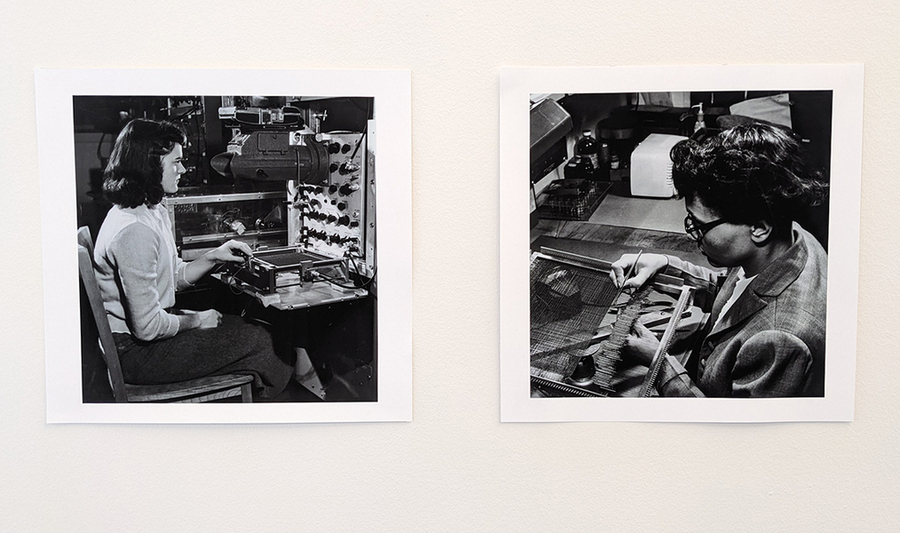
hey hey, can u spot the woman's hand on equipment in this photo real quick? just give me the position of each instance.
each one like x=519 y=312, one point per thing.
x=234 y=251
x=209 y=319
x=641 y=344
x=646 y=267
x=230 y=252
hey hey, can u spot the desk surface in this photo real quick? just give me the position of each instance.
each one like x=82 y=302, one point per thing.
x=619 y=208
x=608 y=243
x=297 y=296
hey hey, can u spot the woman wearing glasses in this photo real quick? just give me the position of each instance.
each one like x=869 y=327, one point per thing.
x=766 y=334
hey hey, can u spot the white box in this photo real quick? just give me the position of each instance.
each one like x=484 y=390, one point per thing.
x=651 y=166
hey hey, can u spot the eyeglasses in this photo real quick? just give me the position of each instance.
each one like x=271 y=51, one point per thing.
x=697 y=231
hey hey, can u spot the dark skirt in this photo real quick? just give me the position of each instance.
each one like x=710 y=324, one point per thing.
x=234 y=347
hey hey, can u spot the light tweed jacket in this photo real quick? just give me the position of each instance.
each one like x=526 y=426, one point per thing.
x=771 y=342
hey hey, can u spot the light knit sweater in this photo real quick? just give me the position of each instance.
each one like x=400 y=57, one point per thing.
x=138 y=270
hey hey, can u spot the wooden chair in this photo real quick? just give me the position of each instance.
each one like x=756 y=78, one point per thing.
x=195 y=390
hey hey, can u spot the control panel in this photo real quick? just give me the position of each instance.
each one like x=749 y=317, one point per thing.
x=332 y=215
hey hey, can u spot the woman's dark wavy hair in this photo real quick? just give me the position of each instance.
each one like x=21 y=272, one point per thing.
x=749 y=173
x=134 y=173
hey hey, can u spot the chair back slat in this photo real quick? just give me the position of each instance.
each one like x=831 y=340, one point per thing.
x=107 y=343
x=85 y=239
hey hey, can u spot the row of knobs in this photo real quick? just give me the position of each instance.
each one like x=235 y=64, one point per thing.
x=333 y=238
x=331 y=219
x=344 y=190
x=315 y=203
x=336 y=147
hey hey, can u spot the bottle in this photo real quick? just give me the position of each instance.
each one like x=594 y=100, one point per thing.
x=578 y=167
x=603 y=155
x=701 y=124
x=588 y=147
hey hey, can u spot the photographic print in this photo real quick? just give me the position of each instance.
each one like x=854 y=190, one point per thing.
x=227 y=233
x=679 y=240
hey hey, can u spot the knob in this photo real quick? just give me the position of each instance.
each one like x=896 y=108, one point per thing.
x=345 y=148
x=334 y=147
x=349 y=188
x=349 y=167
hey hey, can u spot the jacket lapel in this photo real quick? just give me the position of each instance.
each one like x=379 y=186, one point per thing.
x=770 y=283
x=746 y=306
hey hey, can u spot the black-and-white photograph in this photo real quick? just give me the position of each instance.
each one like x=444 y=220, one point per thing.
x=227 y=247
x=678 y=243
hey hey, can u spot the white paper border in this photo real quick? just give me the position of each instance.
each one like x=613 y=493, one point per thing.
x=516 y=84
x=54 y=90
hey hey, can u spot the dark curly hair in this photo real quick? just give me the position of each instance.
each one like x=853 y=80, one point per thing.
x=749 y=173
x=134 y=173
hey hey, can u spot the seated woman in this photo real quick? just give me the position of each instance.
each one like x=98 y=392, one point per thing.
x=766 y=334
x=139 y=271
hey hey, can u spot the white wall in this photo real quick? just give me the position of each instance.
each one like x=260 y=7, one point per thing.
x=455 y=468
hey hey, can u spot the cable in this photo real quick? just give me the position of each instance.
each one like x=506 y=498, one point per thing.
x=100 y=145
x=332 y=281
x=194 y=107
x=371 y=278
x=364 y=133
x=230 y=278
